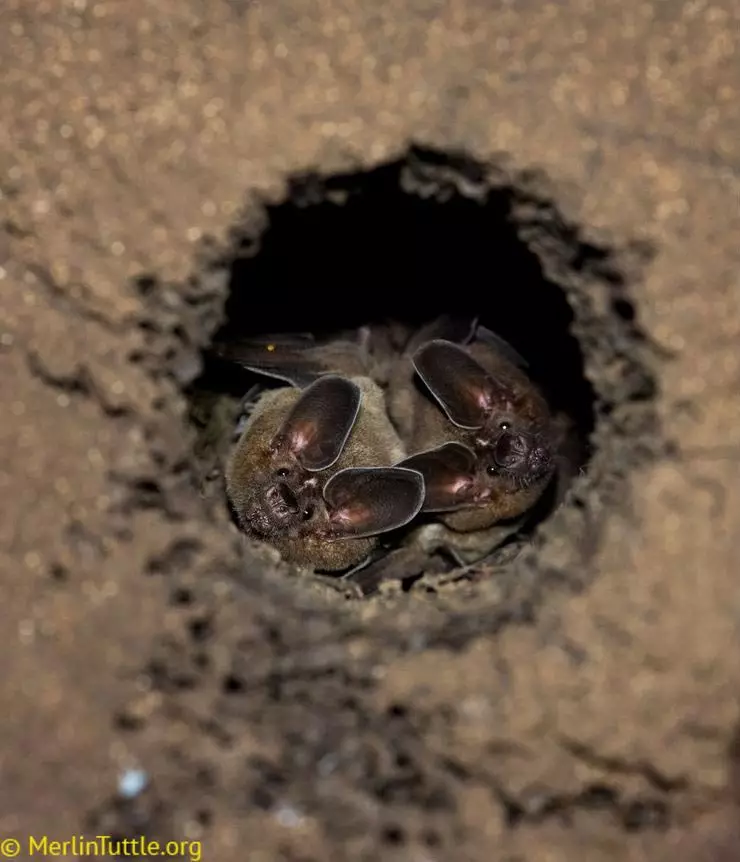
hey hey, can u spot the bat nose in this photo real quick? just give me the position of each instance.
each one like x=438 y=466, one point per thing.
x=281 y=503
x=288 y=497
x=510 y=450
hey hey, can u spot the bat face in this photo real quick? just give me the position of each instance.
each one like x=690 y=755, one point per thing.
x=309 y=474
x=487 y=444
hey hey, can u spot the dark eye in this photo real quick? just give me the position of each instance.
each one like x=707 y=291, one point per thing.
x=307 y=513
x=491 y=469
x=505 y=425
x=282 y=472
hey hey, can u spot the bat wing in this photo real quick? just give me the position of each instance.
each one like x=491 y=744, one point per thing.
x=297 y=360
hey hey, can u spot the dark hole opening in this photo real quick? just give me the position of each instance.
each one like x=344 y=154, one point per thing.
x=411 y=240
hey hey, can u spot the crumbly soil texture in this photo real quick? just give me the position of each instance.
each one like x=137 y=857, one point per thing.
x=280 y=703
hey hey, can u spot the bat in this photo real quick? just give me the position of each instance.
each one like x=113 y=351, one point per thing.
x=449 y=387
x=484 y=441
x=482 y=436
x=311 y=473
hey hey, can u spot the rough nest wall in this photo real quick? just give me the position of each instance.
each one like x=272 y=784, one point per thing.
x=159 y=159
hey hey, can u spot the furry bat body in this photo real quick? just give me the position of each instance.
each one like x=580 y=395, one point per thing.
x=476 y=426
x=485 y=442
x=311 y=474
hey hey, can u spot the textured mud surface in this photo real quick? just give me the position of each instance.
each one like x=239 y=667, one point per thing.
x=168 y=169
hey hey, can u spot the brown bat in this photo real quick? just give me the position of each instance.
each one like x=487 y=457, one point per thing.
x=485 y=443
x=479 y=430
x=311 y=473
x=482 y=436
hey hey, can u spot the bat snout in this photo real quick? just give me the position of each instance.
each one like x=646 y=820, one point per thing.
x=288 y=499
x=523 y=455
x=281 y=503
x=511 y=450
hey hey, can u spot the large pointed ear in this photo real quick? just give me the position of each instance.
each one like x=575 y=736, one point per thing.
x=490 y=339
x=465 y=391
x=448 y=471
x=366 y=501
x=320 y=422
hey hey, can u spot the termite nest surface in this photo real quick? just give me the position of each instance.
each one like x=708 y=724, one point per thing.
x=428 y=234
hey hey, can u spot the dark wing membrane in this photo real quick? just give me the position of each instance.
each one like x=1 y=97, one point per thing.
x=298 y=361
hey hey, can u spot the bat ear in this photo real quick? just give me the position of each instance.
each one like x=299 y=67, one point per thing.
x=316 y=429
x=495 y=342
x=366 y=501
x=465 y=391
x=448 y=473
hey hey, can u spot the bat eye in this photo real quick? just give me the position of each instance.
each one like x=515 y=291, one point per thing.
x=491 y=469
x=282 y=472
x=504 y=426
x=307 y=513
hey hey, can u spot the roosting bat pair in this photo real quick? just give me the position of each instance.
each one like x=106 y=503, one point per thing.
x=378 y=428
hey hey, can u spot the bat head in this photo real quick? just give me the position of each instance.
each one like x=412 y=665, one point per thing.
x=505 y=443
x=287 y=483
